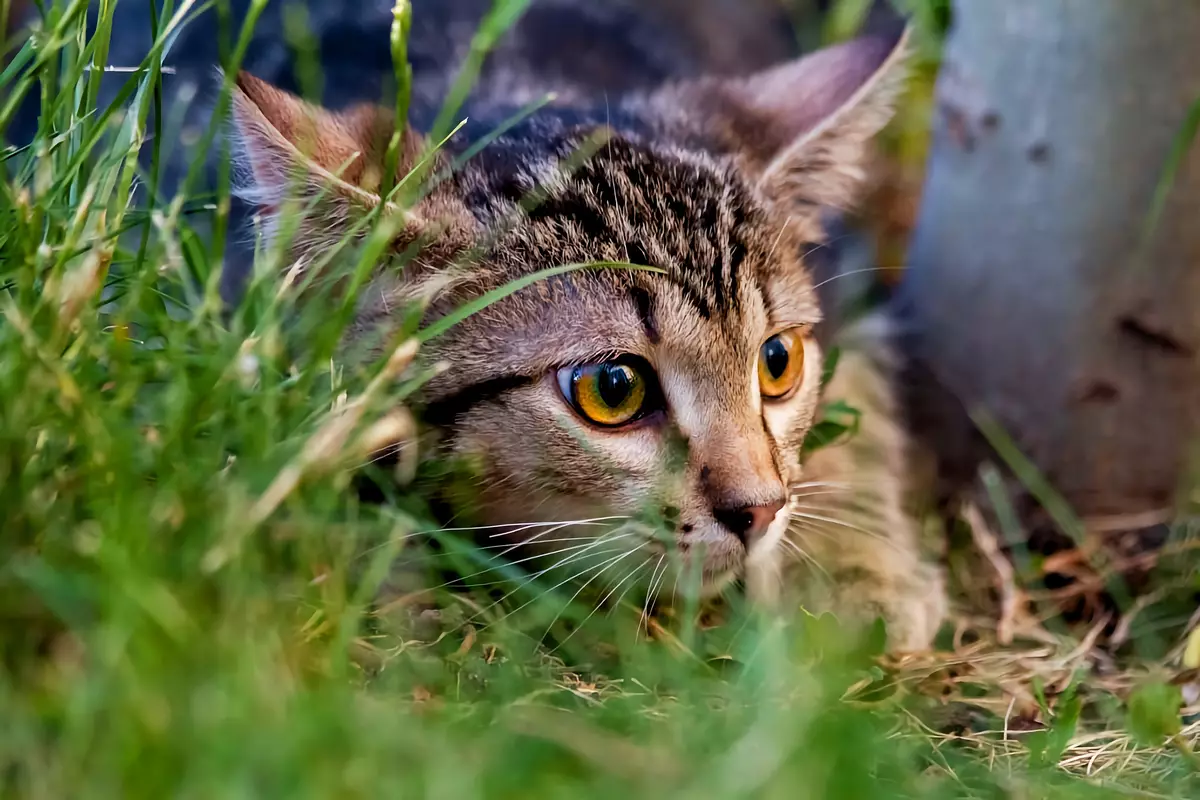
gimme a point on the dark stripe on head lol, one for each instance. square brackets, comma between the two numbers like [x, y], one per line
[572, 208]
[447, 410]
[737, 254]
[645, 309]
[694, 296]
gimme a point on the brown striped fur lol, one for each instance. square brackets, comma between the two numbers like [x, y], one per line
[716, 181]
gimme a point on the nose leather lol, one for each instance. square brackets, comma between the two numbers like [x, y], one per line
[739, 476]
[749, 522]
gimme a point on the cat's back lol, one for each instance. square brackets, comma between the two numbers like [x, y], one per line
[583, 49]
[567, 46]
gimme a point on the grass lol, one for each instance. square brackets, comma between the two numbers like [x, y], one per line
[185, 578]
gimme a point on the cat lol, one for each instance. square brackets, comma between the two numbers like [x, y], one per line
[680, 137]
[590, 399]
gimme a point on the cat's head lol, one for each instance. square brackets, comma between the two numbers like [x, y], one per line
[680, 395]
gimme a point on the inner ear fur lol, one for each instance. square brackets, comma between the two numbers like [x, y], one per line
[803, 129]
[331, 166]
[281, 135]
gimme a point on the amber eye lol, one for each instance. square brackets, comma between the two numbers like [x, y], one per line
[781, 363]
[609, 393]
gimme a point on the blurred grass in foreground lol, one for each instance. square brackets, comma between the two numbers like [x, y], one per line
[140, 428]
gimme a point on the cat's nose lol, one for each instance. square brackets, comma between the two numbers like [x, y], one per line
[749, 522]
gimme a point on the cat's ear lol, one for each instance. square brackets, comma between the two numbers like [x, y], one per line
[803, 129]
[291, 150]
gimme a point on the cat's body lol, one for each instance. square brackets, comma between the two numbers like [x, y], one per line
[623, 395]
[684, 395]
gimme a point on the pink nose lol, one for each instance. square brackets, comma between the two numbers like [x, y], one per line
[749, 522]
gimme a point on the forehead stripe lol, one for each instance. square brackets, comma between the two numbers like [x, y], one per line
[641, 299]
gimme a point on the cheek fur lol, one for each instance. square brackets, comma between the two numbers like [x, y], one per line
[538, 453]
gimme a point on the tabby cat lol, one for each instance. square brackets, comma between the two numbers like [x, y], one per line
[600, 405]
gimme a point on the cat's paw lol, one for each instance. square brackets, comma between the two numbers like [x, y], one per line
[913, 606]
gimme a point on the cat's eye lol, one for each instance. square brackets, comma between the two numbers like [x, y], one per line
[609, 393]
[781, 363]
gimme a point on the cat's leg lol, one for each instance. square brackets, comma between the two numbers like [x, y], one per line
[849, 514]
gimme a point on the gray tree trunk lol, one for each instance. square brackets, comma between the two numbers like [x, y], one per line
[1025, 295]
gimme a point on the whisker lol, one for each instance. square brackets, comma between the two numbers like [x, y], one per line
[562, 523]
[828, 534]
[834, 521]
[534, 538]
[604, 600]
[848, 507]
[636, 570]
[661, 576]
[650, 594]
[579, 550]
[855, 272]
[564, 582]
[844, 511]
[384, 452]
[527, 583]
[841, 486]
[805, 556]
[819, 484]
[540, 541]
[829, 493]
[510, 547]
[516, 527]
[583, 551]
[579, 591]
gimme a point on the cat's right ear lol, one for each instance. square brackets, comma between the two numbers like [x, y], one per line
[802, 130]
[328, 163]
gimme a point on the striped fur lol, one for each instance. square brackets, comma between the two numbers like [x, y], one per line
[716, 181]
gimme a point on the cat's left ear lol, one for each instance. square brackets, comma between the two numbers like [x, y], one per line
[803, 129]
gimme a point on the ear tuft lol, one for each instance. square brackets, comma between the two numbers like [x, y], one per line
[330, 164]
[849, 95]
[803, 129]
[288, 142]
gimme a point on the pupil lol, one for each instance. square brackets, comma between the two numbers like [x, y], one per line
[614, 384]
[776, 356]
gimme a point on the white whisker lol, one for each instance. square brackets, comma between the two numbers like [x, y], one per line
[650, 593]
[617, 603]
[854, 272]
[579, 550]
[516, 527]
[802, 514]
[819, 485]
[562, 523]
[829, 493]
[540, 541]
[604, 600]
[509, 548]
[579, 591]
[828, 534]
[576, 576]
[803, 555]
